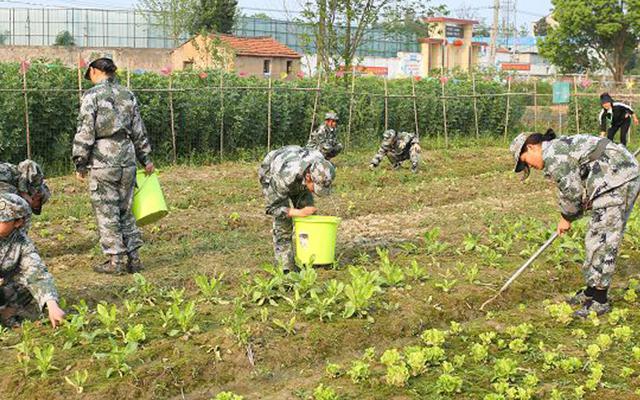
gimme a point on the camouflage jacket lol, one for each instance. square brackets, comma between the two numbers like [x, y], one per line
[9, 178]
[20, 262]
[282, 176]
[583, 183]
[110, 130]
[324, 139]
[396, 146]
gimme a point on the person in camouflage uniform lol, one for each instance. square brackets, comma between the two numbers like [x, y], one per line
[591, 174]
[325, 138]
[26, 286]
[289, 177]
[27, 180]
[110, 136]
[398, 147]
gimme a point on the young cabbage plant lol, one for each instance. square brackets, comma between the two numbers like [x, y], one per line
[44, 360]
[210, 287]
[78, 380]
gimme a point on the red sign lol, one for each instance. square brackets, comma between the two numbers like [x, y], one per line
[515, 67]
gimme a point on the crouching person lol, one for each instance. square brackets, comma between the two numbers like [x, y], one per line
[398, 147]
[27, 180]
[289, 177]
[26, 287]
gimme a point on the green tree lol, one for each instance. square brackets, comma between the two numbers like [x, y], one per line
[64, 38]
[175, 15]
[593, 34]
[215, 16]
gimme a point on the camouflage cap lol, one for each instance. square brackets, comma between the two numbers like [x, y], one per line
[516, 149]
[31, 177]
[323, 173]
[13, 207]
[388, 134]
[331, 115]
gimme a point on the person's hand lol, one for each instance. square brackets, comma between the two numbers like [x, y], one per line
[603, 134]
[302, 212]
[56, 315]
[81, 175]
[563, 226]
[149, 168]
[635, 119]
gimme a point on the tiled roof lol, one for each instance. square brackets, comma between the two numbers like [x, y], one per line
[262, 46]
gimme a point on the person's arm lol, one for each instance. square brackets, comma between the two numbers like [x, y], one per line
[85, 136]
[385, 147]
[139, 136]
[603, 122]
[566, 173]
[33, 275]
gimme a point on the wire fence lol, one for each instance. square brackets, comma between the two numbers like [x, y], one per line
[212, 116]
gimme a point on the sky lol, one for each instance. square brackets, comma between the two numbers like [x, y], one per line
[527, 10]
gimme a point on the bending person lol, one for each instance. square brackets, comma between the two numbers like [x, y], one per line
[398, 147]
[619, 114]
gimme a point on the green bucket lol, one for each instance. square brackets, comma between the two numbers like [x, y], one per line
[315, 238]
[148, 201]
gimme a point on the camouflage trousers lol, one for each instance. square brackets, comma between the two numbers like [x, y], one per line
[283, 233]
[411, 152]
[112, 197]
[16, 304]
[605, 233]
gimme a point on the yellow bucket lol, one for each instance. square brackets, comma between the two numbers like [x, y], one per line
[148, 201]
[315, 238]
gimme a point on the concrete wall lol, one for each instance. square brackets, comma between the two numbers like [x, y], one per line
[143, 59]
[254, 66]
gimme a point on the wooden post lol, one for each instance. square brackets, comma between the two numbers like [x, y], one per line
[171, 114]
[79, 78]
[444, 113]
[506, 116]
[575, 95]
[26, 107]
[353, 87]
[386, 104]
[129, 74]
[221, 115]
[315, 105]
[269, 116]
[630, 133]
[475, 105]
[415, 105]
[535, 105]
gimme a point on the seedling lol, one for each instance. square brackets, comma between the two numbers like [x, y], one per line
[133, 308]
[447, 283]
[470, 242]
[479, 352]
[505, 369]
[78, 380]
[289, 327]
[176, 295]
[391, 357]
[433, 337]
[360, 291]
[562, 313]
[107, 315]
[432, 243]
[392, 274]
[210, 287]
[417, 272]
[333, 370]
[622, 333]
[184, 317]
[449, 384]
[142, 288]
[294, 301]
[228, 396]
[118, 356]
[44, 359]
[472, 274]
[322, 392]
[416, 359]
[359, 371]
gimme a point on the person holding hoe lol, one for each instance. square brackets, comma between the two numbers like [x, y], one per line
[398, 147]
[594, 174]
[289, 177]
[109, 139]
[619, 114]
[325, 138]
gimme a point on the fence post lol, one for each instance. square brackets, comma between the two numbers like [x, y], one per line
[353, 87]
[171, 114]
[506, 116]
[415, 105]
[79, 78]
[129, 74]
[444, 111]
[535, 105]
[475, 105]
[269, 116]
[315, 104]
[24, 67]
[221, 114]
[575, 95]
[386, 104]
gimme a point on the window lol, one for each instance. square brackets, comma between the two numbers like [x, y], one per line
[289, 66]
[267, 67]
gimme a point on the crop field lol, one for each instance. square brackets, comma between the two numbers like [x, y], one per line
[397, 317]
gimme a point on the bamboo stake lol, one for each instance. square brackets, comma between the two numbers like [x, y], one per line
[221, 116]
[475, 105]
[171, 114]
[575, 92]
[444, 115]
[506, 117]
[535, 105]
[129, 74]
[269, 116]
[386, 105]
[26, 108]
[315, 105]
[415, 105]
[79, 78]
[353, 87]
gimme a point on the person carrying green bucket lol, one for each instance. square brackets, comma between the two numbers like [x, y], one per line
[109, 139]
[289, 177]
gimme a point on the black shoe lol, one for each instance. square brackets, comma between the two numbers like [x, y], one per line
[113, 266]
[134, 264]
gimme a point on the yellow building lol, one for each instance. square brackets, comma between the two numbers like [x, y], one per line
[255, 56]
[449, 45]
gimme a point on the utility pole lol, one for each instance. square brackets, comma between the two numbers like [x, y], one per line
[494, 32]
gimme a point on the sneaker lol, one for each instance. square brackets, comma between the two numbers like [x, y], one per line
[134, 264]
[578, 299]
[593, 306]
[113, 266]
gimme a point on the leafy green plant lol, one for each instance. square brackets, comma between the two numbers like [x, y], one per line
[210, 287]
[622, 333]
[417, 272]
[322, 306]
[108, 316]
[142, 288]
[570, 364]
[391, 357]
[44, 360]
[360, 291]
[78, 380]
[289, 327]
[470, 242]
[228, 396]
[133, 308]
[505, 369]
[118, 358]
[433, 337]
[397, 374]
[268, 290]
[479, 352]
[432, 244]
[562, 312]
[416, 359]
[333, 370]
[322, 392]
[185, 318]
[392, 274]
[449, 384]
[359, 371]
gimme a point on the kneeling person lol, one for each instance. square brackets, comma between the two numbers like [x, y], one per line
[27, 180]
[25, 284]
[398, 147]
[289, 177]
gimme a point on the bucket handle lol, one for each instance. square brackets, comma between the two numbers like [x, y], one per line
[137, 188]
